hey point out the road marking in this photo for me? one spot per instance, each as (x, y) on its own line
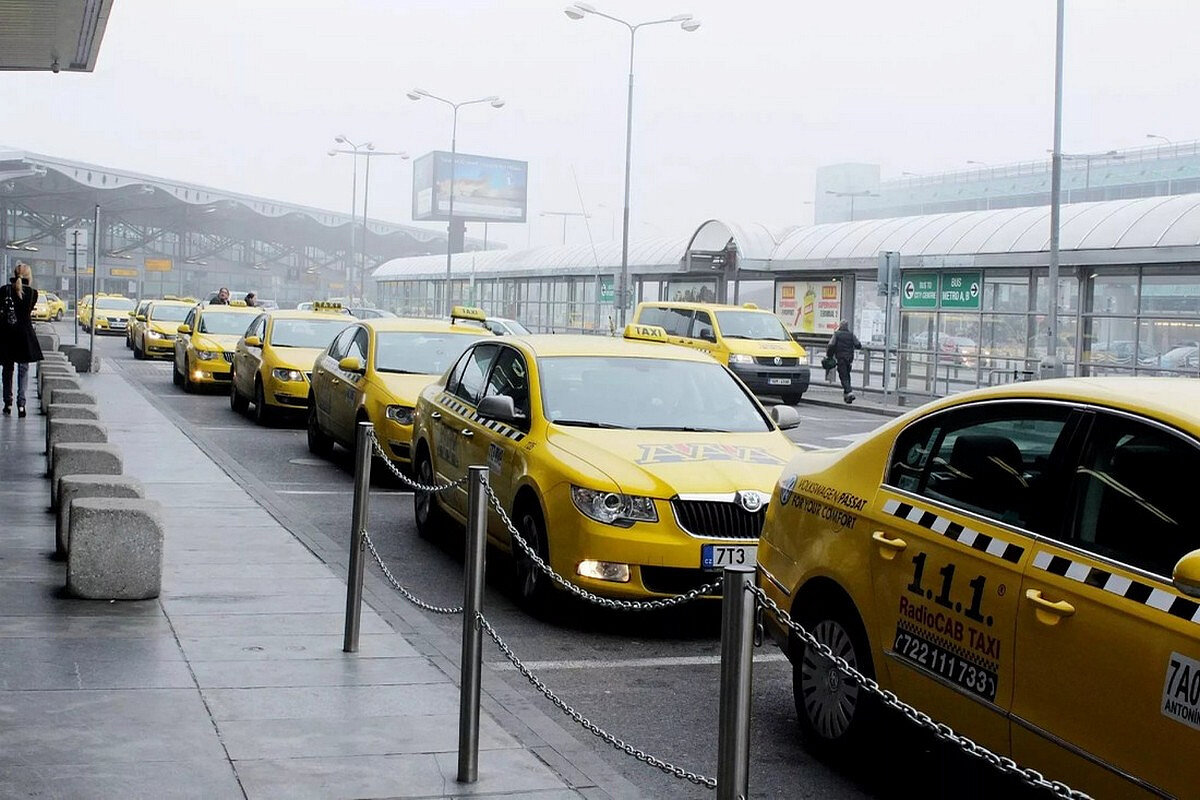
(622, 663)
(335, 491)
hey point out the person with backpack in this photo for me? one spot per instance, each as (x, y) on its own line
(18, 343)
(841, 349)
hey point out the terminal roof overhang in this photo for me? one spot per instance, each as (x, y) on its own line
(52, 35)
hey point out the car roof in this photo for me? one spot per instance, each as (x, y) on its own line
(546, 344)
(170, 302)
(705, 306)
(420, 325)
(221, 307)
(295, 313)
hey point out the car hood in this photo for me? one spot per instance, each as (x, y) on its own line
(764, 347)
(298, 358)
(217, 341)
(168, 328)
(666, 463)
(405, 388)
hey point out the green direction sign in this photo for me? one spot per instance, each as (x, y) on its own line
(961, 290)
(606, 290)
(919, 290)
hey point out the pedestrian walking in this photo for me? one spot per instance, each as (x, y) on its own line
(841, 349)
(18, 344)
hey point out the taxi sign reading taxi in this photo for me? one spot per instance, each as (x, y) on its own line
(919, 290)
(961, 290)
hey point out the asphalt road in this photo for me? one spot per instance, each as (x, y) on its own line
(649, 679)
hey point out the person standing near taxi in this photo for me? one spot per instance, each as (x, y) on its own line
(841, 348)
(18, 343)
(222, 298)
(251, 299)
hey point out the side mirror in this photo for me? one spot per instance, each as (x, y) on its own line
(351, 364)
(253, 341)
(785, 417)
(140, 317)
(184, 329)
(708, 336)
(500, 408)
(1186, 576)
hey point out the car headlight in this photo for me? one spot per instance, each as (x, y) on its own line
(612, 508)
(153, 334)
(207, 355)
(401, 414)
(281, 374)
(740, 358)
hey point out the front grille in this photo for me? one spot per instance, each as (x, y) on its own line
(718, 520)
(769, 361)
(677, 580)
(228, 357)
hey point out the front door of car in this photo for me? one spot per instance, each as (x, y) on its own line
(346, 397)
(247, 360)
(498, 442)
(458, 440)
(1108, 650)
(965, 492)
(181, 341)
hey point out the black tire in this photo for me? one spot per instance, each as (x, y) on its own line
(532, 588)
(319, 443)
(793, 398)
(835, 714)
(58, 317)
(188, 386)
(138, 352)
(263, 413)
(432, 520)
(176, 378)
(237, 403)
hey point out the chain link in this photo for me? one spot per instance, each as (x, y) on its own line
(920, 718)
(621, 605)
(409, 596)
(591, 727)
(420, 487)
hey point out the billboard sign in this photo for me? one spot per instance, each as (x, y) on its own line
(809, 306)
(485, 189)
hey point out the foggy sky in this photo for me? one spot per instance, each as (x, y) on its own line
(730, 121)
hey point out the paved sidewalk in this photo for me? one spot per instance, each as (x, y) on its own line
(233, 683)
(825, 394)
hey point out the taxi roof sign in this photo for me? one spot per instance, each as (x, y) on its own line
(467, 312)
(645, 333)
(750, 306)
(241, 303)
(327, 305)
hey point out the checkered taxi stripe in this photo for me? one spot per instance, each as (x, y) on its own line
(952, 530)
(460, 407)
(1121, 586)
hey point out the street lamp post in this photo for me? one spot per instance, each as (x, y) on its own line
(852, 195)
(370, 151)
(1050, 366)
(495, 102)
(354, 148)
(688, 23)
(565, 216)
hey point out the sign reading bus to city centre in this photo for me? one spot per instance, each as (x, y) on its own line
(485, 189)
(918, 290)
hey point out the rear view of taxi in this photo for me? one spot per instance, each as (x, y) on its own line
(1023, 564)
(373, 371)
(273, 361)
(635, 468)
(155, 327)
(205, 341)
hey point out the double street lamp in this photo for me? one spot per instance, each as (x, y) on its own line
(687, 22)
(495, 102)
(852, 195)
(368, 150)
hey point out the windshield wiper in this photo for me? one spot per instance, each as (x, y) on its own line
(686, 428)
(588, 423)
(736, 336)
(399, 371)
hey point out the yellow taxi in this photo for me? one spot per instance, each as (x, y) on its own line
(374, 370)
(136, 320)
(108, 313)
(634, 467)
(48, 307)
(155, 326)
(273, 361)
(1021, 563)
(204, 343)
(750, 341)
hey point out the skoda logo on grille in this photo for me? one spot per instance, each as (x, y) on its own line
(750, 501)
(778, 361)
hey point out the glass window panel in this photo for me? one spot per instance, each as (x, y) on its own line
(1003, 338)
(869, 322)
(1006, 292)
(1068, 291)
(1170, 295)
(1109, 342)
(1169, 347)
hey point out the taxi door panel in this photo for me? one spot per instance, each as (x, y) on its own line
(347, 390)
(1108, 657)
(462, 439)
(499, 443)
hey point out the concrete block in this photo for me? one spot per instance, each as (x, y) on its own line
(47, 371)
(56, 356)
(68, 411)
(72, 397)
(74, 458)
(47, 341)
(80, 357)
(73, 430)
(52, 382)
(76, 487)
(116, 549)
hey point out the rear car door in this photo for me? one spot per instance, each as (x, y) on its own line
(1108, 650)
(966, 491)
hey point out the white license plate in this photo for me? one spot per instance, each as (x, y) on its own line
(719, 556)
(779, 381)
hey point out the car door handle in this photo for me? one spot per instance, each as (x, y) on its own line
(889, 547)
(436, 415)
(1048, 612)
(467, 433)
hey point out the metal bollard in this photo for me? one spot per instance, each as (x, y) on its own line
(472, 640)
(737, 645)
(358, 525)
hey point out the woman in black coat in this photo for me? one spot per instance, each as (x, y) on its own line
(18, 344)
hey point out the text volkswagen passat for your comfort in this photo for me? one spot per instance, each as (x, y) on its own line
(1021, 563)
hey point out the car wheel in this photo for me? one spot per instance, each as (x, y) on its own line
(188, 385)
(531, 585)
(176, 378)
(237, 403)
(432, 521)
(58, 317)
(319, 444)
(835, 713)
(793, 398)
(263, 413)
(139, 353)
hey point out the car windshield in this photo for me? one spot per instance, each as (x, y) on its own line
(115, 303)
(224, 322)
(751, 325)
(315, 333)
(419, 353)
(169, 313)
(645, 393)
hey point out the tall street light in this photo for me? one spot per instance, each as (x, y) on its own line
(1051, 367)
(495, 102)
(1087, 159)
(354, 149)
(565, 216)
(852, 195)
(578, 11)
(1156, 136)
(370, 151)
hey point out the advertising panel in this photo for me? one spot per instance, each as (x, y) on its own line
(809, 306)
(485, 189)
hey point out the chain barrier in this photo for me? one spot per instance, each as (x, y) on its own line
(605, 602)
(591, 727)
(920, 718)
(420, 487)
(409, 596)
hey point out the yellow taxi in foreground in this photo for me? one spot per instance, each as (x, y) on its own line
(635, 468)
(155, 327)
(204, 343)
(273, 361)
(107, 313)
(1021, 563)
(751, 341)
(48, 307)
(373, 371)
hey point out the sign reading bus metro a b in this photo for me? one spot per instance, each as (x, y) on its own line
(961, 290)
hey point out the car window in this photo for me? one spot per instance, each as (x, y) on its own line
(341, 344)
(475, 370)
(675, 321)
(161, 313)
(509, 378)
(191, 318)
(304, 332)
(456, 371)
(1131, 495)
(702, 328)
(358, 346)
(995, 460)
(754, 325)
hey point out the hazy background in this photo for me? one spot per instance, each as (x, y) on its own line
(729, 121)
